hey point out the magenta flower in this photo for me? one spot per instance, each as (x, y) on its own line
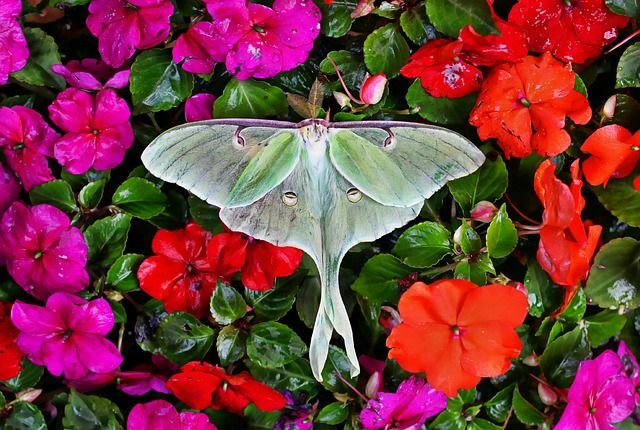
(98, 129)
(9, 188)
(200, 48)
(630, 367)
(89, 74)
(147, 377)
(13, 46)
(121, 26)
(199, 107)
(406, 409)
(43, 252)
(67, 335)
(601, 394)
(162, 415)
(27, 140)
(261, 41)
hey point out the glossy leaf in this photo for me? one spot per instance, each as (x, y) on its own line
(231, 345)
(43, 53)
(628, 71)
(57, 193)
(604, 325)
(502, 236)
(561, 358)
(621, 199)
(449, 16)
(416, 25)
(85, 412)
(106, 239)
(439, 110)
(378, 280)
(123, 273)
(273, 304)
(227, 304)
(423, 245)
(294, 376)
(271, 344)
(182, 338)
(90, 195)
(140, 198)
(386, 50)
(25, 416)
(525, 411)
(336, 16)
(250, 99)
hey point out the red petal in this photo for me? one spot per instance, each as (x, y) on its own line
(263, 396)
(494, 302)
(158, 274)
(265, 262)
(608, 149)
(558, 202)
(490, 50)
(439, 302)
(447, 374)
(227, 253)
(417, 347)
(195, 389)
(488, 347)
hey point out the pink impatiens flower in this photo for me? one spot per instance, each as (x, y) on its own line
(162, 415)
(199, 107)
(98, 129)
(67, 335)
(601, 394)
(200, 48)
(13, 45)
(91, 74)
(408, 408)
(121, 26)
(9, 189)
(43, 252)
(26, 140)
(631, 367)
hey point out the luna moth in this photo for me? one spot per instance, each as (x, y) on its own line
(318, 186)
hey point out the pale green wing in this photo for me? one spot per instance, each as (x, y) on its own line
(325, 222)
(208, 158)
(401, 165)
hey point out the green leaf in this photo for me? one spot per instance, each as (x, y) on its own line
(475, 269)
(227, 304)
(502, 236)
(231, 345)
(469, 240)
(624, 7)
(489, 183)
(449, 420)
(182, 338)
(423, 245)
(628, 71)
(257, 419)
(603, 326)
(295, 376)
(337, 362)
(378, 279)
(525, 411)
(333, 414)
(140, 198)
(43, 53)
(480, 424)
(106, 239)
(626, 111)
(157, 83)
(498, 406)
(174, 215)
(28, 377)
(308, 300)
(85, 412)
(90, 195)
(123, 273)
(439, 110)
(449, 16)
(25, 416)
(561, 358)
(250, 99)
(351, 67)
(614, 279)
(57, 193)
(386, 51)
(336, 17)
(205, 215)
(271, 344)
(119, 313)
(621, 199)
(544, 296)
(273, 304)
(416, 25)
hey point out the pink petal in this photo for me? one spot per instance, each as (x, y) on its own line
(60, 357)
(111, 146)
(117, 28)
(199, 107)
(9, 189)
(76, 151)
(154, 415)
(79, 79)
(50, 222)
(11, 9)
(96, 318)
(119, 80)
(295, 23)
(154, 23)
(200, 48)
(31, 167)
(35, 320)
(110, 110)
(13, 48)
(195, 421)
(96, 353)
(10, 126)
(36, 133)
(72, 110)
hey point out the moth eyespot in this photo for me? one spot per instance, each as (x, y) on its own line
(354, 195)
(290, 198)
(390, 142)
(239, 139)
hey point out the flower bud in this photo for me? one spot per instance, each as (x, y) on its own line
(342, 99)
(373, 385)
(531, 360)
(609, 108)
(484, 211)
(28, 395)
(364, 8)
(372, 88)
(389, 317)
(548, 395)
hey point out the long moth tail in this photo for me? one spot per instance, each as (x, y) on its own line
(332, 314)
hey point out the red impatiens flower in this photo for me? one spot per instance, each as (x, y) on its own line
(523, 106)
(201, 385)
(614, 151)
(442, 70)
(10, 355)
(180, 275)
(259, 261)
(457, 332)
(567, 244)
(573, 30)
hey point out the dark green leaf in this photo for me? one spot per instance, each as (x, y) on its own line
(351, 66)
(271, 344)
(57, 193)
(386, 51)
(416, 25)
(157, 83)
(423, 245)
(449, 420)
(628, 72)
(475, 269)
(182, 338)
(502, 236)
(295, 376)
(308, 300)
(449, 16)
(119, 313)
(576, 308)
(90, 195)
(106, 239)
(28, 377)
(544, 296)
(624, 7)
(337, 362)
(603, 326)
(273, 304)
(439, 110)
(25, 416)
(260, 420)
(140, 198)
(43, 53)
(498, 406)
(378, 280)
(250, 99)
(231, 345)
(525, 411)
(561, 358)
(336, 17)
(85, 412)
(467, 238)
(333, 414)
(227, 304)
(205, 215)
(621, 199)
(624, 111)
(123, 273)
(174, 214)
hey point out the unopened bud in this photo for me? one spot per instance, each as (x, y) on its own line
(342, 99)
(609, 108)
(531, 360)
(389, 317)
(28, 395)
(548, 395)
(373, 385)
(372, 88)
(484, 211)
(363, 8)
